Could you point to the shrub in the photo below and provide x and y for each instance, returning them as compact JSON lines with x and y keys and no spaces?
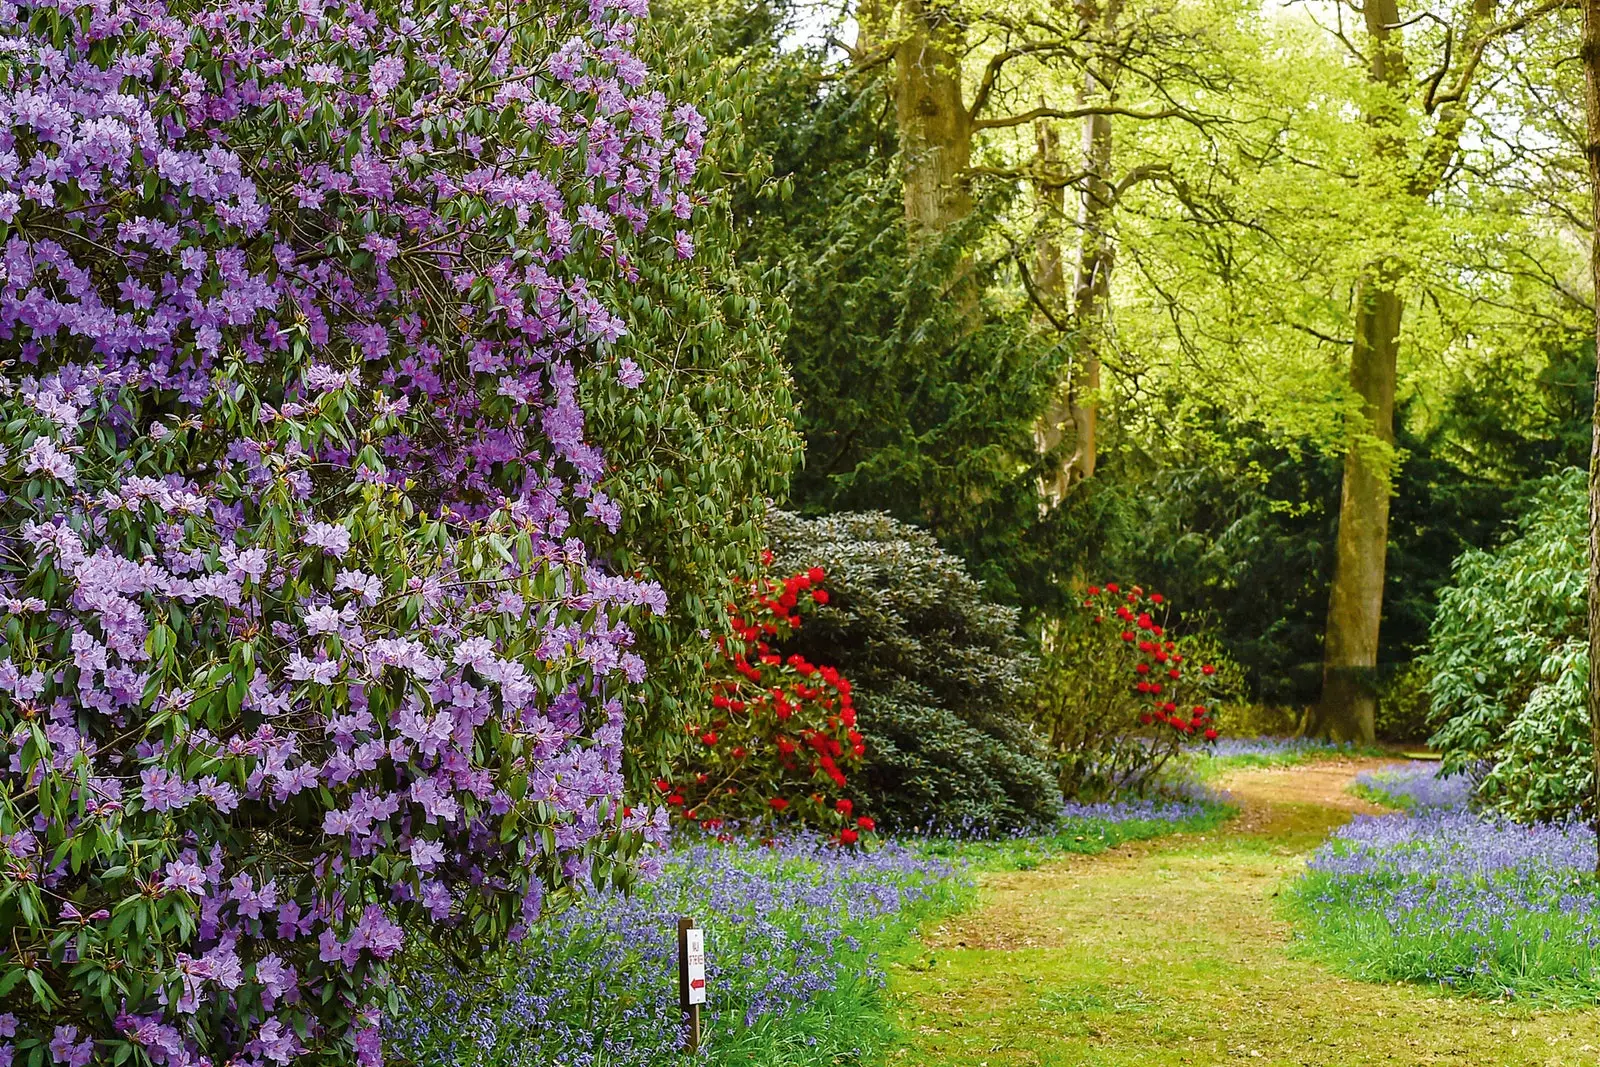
{"x":941,"y":674}
{"x":307,"y":641}
{"x":1120,"y":696}
{"x":780,"y":732}
{"x":1509,"y":661}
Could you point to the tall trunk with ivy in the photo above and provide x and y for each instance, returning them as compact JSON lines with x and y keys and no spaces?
{"x":1590,"y":53}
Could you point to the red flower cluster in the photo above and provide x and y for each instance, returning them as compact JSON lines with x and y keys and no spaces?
{"x":780,"y":732}
{"x":1169,"y":694}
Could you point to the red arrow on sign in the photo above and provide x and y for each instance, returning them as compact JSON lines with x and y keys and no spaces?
{"x":698,"y":983}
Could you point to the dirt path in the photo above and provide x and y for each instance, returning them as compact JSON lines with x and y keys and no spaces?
{"x":1173,"y":952}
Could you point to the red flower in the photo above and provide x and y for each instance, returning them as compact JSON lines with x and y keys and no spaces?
{"x":777,"y":803}
{"x":1206,"y":668}
{"x":675,"y":800}
{"x":709,"y":737}
{"x":1211,"y":734}
{"x":1156,"y":598}
{"x":1143,"y":668}
{"x":1094,"y":590}
{"x":844,"y":807}
{"x":866,"y":824}
{"x":1146,"y":719}
{"x":1111,"y":587}
{"x":1127,"y":635}
{"x":1174,"y":674}
{"x":816,"y":574}
{"x":848,"y":837}
{"x":766,"y":556}
{"x":819,"y":595}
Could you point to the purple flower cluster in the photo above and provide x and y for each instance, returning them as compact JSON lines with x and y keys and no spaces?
{"x":1450,"y":896}
{"x":1415,"y":786}
{"x":1227,"y":747}
{"x":1148,"y":809}
{"x":302,"y":644}
{"x":786,"y":923}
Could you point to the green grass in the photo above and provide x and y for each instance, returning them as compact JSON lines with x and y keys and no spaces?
{"x":1210,"y":768}
{"x":854,"y":1021}
{"x":1074,"y":837}
{"x":1379,"y":795}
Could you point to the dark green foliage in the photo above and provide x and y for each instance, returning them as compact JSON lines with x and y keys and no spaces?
{"x":941,"y":674}
{"x":709,"y":435}
{"x":919,"y":379}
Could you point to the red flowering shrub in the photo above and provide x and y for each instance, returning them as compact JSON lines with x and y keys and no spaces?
{"x":1120,"y":694}
{"x":779,"y":733}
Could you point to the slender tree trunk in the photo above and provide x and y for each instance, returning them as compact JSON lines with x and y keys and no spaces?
{"x":1050,"y":284}
{"x":935,"y":129}
{"x":1348,"y":710}
{"x":1091,"y":294}
{"x":1591,"y":76}
{"x":1075,"y":406}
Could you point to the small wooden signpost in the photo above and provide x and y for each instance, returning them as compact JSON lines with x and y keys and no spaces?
{"x":691,"y":979}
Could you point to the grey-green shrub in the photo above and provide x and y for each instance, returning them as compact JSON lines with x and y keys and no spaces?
{"x":942,"y":675}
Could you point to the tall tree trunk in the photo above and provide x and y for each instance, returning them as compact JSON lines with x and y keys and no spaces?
{"x":1075,"y":406}
{"x":1347,"y":710}
{"x":935,"y":129}
{"x":1591,"y":76}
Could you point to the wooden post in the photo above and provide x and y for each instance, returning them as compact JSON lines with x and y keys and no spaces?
{"x":691,"y":979}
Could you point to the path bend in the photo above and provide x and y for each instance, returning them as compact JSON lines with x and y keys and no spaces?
{"x":1174,"y":952}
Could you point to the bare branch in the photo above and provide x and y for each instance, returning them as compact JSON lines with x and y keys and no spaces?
{"x":991,"y":73}
{"x":1084,"y":112}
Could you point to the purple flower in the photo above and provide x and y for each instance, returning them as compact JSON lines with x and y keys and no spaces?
{"x":386,"y":73}
{"x":161,"y":790}
{"x":332,"y":539}
{"x":66,"y":1048}
{"x":43,"y":457}
{"x":185,"y":876}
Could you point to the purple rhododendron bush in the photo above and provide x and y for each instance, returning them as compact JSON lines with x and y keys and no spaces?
{"x":321,"y":626}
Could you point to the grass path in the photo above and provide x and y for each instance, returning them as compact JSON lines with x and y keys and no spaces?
{"x":1173,"y":952}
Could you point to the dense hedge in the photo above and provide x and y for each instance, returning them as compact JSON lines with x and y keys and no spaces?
{"x":1509,"y":662}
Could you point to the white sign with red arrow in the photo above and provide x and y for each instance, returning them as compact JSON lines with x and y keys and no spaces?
{"x":695,"y":958}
